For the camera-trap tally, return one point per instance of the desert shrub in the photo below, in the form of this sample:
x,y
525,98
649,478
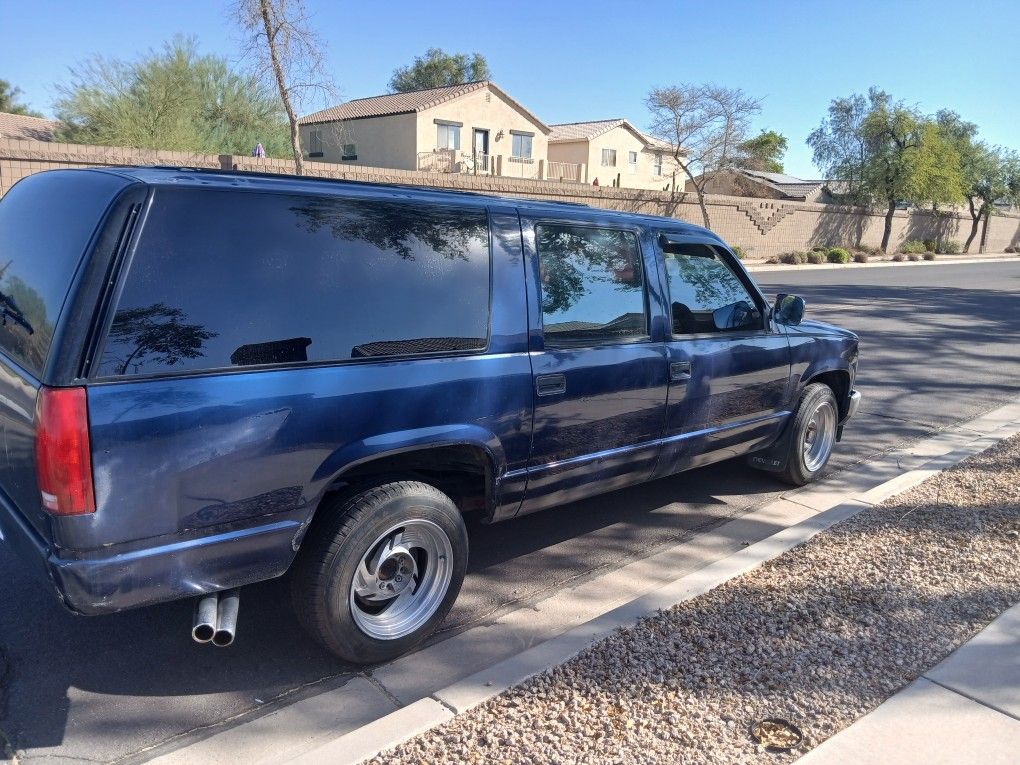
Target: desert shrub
x,y
860,257
930,256
913,257
913,247
815,258
739,252
870,250
792,258
772,261
951,247
819,248
837,255
1013,248
929,244
898,257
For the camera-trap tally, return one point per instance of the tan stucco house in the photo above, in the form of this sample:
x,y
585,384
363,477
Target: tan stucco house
x,y
474,127
614,153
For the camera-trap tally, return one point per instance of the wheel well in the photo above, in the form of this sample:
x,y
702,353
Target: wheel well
x,y
461,471
839,381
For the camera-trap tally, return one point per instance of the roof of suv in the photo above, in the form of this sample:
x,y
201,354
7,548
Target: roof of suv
x,y
191,177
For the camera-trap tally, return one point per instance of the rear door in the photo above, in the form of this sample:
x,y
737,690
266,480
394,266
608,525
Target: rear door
x,y
729,365
47,221
599,373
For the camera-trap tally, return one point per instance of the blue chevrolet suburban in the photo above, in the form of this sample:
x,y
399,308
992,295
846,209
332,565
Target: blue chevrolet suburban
x,y
208,379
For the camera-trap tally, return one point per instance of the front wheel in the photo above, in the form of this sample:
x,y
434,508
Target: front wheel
x,y
383,571
814,435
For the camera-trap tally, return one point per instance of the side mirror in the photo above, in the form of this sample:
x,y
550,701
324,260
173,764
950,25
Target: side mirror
x,y
789,309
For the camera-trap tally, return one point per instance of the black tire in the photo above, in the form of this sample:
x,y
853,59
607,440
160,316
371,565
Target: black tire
x,y
329,558
814,397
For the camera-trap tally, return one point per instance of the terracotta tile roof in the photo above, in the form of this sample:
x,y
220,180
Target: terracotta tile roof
x,y
586,131
22,126
583,131
405,103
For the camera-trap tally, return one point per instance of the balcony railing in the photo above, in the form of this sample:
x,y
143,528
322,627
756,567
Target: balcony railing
x,y
477,163
564,171
438,161
521,167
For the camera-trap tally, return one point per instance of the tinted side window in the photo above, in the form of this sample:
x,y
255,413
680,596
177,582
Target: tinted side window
x,y
705,295
46,221
224,279
592,285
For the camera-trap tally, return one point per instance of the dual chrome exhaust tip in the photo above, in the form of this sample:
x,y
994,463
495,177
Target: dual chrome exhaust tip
x,y
216,618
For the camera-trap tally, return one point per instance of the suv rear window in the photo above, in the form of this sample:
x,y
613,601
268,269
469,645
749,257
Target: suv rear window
x,y
46,221
225,279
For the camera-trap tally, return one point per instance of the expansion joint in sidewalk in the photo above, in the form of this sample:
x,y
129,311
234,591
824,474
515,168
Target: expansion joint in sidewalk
x,y
958,692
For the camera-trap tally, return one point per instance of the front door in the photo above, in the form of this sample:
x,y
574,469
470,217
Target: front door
x,y
600,379
729,366
480,147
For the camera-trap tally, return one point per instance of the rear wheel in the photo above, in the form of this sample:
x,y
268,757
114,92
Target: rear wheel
x,y
814,435
382,572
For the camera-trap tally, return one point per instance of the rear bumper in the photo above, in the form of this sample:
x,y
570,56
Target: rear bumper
x,y
106,580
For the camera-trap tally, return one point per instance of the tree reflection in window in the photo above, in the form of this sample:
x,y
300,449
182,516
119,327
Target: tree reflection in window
x,y
700,283
394,227
592,284
25,333
157,333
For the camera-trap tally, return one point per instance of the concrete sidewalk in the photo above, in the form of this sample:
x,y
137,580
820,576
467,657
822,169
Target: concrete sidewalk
x,y
964,710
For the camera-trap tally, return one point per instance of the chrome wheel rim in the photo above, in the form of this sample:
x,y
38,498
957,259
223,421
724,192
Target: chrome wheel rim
x,y
819,436
402,580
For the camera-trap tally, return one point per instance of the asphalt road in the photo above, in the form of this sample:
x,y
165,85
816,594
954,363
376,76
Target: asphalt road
x,y
939,344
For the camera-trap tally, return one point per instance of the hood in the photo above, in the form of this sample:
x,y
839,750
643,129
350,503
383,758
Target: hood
x,y
821,329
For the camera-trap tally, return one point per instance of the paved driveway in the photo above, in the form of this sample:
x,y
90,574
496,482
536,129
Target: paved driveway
x,y
939,344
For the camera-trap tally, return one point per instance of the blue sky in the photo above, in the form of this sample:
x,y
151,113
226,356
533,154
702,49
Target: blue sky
x,y
574,60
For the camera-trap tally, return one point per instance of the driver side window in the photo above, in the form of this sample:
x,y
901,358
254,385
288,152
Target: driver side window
x,y
705,296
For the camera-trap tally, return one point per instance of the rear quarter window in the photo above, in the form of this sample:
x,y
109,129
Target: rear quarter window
x,y
233,279
46,222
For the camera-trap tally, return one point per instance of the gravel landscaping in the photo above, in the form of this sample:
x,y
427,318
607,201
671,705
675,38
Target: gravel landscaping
x,y
819,636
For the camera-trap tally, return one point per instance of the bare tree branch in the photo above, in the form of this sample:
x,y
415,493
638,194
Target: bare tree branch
x,y
705,125
288,53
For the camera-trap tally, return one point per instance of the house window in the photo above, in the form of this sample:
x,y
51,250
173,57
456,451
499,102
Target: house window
x,y
447,136
315,143
350,151
657,167
609,158
632,161
521,148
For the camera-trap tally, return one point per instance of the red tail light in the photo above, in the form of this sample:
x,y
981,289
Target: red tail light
x,y
63,456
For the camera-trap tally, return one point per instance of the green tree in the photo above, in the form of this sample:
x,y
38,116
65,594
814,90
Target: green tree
x,y
437,68
175,99
936,174
764,152
9,101
870,144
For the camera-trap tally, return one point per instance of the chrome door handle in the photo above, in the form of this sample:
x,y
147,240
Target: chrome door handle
x,y
679,371
550,385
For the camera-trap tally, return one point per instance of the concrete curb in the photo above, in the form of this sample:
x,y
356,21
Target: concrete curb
x,y
767,267
834,502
